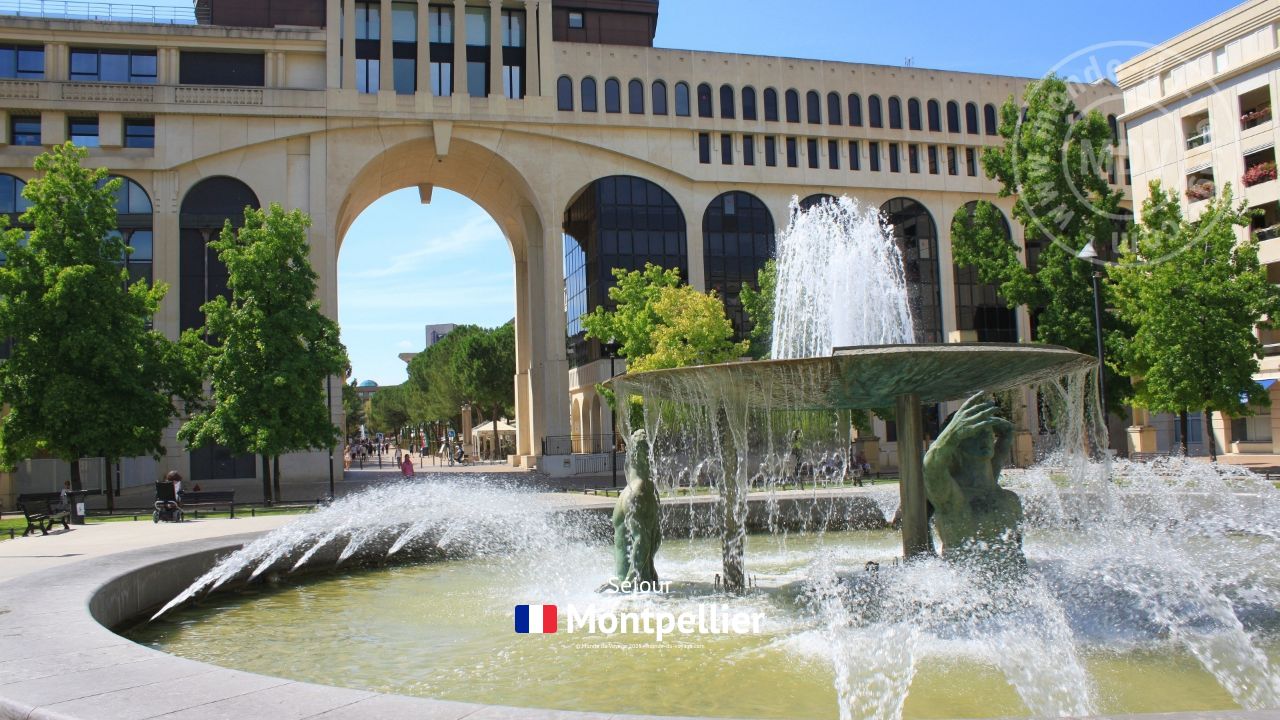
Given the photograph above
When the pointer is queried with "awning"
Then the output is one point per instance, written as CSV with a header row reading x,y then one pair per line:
x,y
1266,384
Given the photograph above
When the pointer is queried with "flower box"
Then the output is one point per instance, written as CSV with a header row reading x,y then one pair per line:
x,y
1256,117
1200,191
1259,173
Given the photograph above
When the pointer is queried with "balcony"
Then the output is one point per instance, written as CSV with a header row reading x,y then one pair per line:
x,y
1200,188
104,12
1255,108
1196,141
1270,232
1259,167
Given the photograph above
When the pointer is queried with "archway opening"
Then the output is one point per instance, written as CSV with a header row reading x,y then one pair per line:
x,y
917,238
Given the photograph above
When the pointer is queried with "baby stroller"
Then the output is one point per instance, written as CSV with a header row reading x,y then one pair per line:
x,y
167,507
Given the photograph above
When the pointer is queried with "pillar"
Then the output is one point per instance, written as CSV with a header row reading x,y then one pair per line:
x,y
545,65
532,74
915,519
460,48
694,242
333,43
386,61
57,61
424,49
495,48
349,44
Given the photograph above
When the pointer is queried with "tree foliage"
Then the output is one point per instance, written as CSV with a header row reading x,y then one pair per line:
x,y
86,374
758,305
352,408
1055,163
269,346
1194,294
469,365
389,410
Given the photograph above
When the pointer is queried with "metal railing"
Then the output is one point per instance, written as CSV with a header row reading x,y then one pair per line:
x,y
573,444
105,11
1196,141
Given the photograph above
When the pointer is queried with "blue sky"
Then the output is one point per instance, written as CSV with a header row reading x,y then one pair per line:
x,y
404,265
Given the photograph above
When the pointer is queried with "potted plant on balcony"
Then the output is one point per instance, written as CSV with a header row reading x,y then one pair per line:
x,y
1259,173
1202,190
1256,116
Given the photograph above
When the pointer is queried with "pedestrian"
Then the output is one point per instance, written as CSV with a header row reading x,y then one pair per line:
x,y
406,466
397,455
346,458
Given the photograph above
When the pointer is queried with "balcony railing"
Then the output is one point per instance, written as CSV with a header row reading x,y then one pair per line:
x,y
1196,141
105,11
1270,232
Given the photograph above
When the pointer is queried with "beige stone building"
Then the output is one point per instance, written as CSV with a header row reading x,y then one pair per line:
x,y
589,147
1198,109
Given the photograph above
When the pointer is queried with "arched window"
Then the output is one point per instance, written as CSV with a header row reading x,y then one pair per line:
x,y
913,115
971,118
737,237
704,101
813,107
935,116
793,106
953,116
895,113
133,222
618,221
855,110
873,111
635,97
770,105
612,96
834,116
12,204
726,102
682,99
749,103
659,97
917,238
992,122
588,94
564,93
816,199
979,306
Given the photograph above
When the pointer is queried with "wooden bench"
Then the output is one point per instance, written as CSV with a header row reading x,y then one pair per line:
x,y
41,514
210,498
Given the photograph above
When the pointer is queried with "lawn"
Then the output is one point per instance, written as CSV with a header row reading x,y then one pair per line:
x,y
17,523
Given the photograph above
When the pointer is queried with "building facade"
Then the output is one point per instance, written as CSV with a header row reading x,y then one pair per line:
x,y
590,148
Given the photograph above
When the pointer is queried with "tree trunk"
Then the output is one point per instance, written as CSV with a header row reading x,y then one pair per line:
x,y
1183,427
1208,433
495,454
266,480
275,476
75,474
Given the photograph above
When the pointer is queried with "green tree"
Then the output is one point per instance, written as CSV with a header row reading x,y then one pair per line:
x,y
483,367
389,409
1055,163
352,408
432,374
1194,294
87,374
270,347
758,305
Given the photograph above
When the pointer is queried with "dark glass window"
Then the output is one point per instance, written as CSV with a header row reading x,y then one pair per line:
x,y
704,148
771,151
855,162
979,306
935,116
953,116
933,159
24,62
815,200
726,102
221,68
873,111
855,110
749,103
588,94
704,101
513,53
682,99
635,97
953,166
993,124
576,20
748,150
659,97
83,131
971,118
738,237
201,275
612,96
114,66
895,113
833,154
440,49
873,156
971,161
834,115
811,149
726,149
793,106
913,158
24,130
813,107
917,238
11,201
564,93
793,153
770,105
895,163
913,115
133,220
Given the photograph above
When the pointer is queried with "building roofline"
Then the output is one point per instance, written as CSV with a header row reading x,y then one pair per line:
x,y
1224,25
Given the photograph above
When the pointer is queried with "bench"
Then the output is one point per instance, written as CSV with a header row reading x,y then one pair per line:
x,y
41,514
210,498
1143,457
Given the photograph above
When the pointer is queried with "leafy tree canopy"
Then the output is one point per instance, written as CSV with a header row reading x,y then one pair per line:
x,y
758,305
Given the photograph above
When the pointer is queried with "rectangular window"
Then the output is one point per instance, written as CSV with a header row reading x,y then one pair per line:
x,y
404,22
811,149
748,150
440,32
221,68
24,130
24,62
576,21
404,47
771,151
793,153
933,159
368,21
913,158
405,75
895,163
513,53
478,27
83,131
113,66
704,148
440,25
367,75
855,162
833,154
139,132
477,36
726,149
512,28
971,161
873,156
953,166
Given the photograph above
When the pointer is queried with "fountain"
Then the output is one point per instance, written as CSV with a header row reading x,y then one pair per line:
x,y
1071,588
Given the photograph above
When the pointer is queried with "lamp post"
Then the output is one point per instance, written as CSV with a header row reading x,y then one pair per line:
x,y
611,348
328,396
1088,254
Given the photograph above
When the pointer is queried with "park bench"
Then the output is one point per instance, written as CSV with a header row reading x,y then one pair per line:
x,y
1144,457
210,498
42,510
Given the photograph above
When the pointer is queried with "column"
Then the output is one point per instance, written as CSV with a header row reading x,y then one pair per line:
x,y
545,65
57,61
532,75
349,44
424,48
695,256
386,63
460,48
333,43
915,519
495,48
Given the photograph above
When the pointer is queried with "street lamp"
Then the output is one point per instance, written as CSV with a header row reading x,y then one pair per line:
x,y
611,348
1088,254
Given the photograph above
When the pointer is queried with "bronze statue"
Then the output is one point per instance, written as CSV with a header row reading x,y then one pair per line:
x,y
973,515
636,531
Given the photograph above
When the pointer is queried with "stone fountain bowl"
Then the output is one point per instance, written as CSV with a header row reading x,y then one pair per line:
x,y
870,376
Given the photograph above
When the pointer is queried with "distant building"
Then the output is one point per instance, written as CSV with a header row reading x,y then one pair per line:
x,y
437,332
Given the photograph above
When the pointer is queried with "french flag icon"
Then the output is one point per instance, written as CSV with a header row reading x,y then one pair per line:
x,y
535,619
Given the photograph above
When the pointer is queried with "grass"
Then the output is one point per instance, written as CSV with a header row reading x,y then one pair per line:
x,y
18,523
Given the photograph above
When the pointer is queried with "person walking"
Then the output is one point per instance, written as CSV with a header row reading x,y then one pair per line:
x,y
346,458
406,466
